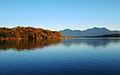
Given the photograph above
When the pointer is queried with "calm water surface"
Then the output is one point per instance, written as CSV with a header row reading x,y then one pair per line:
x,y
84,56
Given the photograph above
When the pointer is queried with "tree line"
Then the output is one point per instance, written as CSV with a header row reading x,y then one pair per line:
x,y
28,33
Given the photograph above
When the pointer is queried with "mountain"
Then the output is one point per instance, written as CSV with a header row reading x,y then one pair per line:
x,y
67,32
89,32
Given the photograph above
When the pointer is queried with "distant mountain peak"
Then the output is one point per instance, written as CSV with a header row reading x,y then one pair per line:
x,y
94,28
68,29
99,28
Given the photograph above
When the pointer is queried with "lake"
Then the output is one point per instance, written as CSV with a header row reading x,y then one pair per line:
x,y
83,56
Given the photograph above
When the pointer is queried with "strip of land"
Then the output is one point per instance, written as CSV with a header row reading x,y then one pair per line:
x,y
28,33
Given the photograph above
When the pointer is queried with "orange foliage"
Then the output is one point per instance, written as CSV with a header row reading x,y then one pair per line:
x,y
28,33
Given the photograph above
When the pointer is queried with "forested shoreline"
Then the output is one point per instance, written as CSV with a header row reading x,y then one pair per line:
x,y
28,33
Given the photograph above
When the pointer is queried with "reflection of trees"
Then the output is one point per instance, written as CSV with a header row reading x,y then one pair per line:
x,y
26,44
95,42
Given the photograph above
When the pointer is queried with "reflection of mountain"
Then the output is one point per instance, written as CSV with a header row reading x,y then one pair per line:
x,y
95,42
26,44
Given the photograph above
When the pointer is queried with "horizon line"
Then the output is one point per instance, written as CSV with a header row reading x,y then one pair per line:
x,y
47,28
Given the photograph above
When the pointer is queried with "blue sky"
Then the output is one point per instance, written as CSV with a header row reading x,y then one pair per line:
x,y
60,14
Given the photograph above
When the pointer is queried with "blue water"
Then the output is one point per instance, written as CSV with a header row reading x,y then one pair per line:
x,y
84,56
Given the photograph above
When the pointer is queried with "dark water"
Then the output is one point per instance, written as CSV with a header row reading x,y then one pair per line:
x,y
84,56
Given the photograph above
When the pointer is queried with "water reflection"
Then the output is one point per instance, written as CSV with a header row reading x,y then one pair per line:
x,y
26,44
94,42
33,44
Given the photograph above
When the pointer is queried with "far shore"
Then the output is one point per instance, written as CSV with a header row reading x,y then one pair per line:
x,y
74,37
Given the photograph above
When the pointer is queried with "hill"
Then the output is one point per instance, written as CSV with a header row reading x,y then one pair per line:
x,y
28,33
